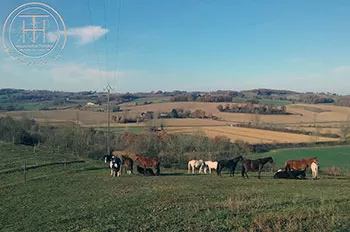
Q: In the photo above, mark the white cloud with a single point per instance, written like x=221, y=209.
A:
x=341, y=70
x=76, y=73
x=83, y=35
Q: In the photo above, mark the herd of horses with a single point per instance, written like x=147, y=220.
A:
x=293, y=169
x=117, y=160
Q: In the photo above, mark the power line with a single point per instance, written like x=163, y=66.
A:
x=94, y=38
x=105, y=26
x=117, y=42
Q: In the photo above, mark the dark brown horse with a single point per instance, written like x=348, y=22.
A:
x=149, y=162
x=299, y=164
x=255, y=165
x=230, y=164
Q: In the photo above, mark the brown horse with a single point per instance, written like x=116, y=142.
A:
x=299, y=164
x=149, y=162
x=128, y=164
x=255, y=165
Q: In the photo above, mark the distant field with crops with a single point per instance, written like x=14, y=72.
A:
x=316, y=118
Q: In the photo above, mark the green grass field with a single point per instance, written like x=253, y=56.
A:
x=83, y=197
x=327, y=156
x=120, y=130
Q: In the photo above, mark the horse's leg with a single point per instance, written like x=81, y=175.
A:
x=218, y=170
x=260, y=169
x=158, y=169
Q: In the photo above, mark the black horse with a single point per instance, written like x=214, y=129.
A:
x=114, y=164
x=290, y=174
x=230, y=164
x=255, y=165
x=145, y=171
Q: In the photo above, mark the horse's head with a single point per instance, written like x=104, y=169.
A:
x=315, y=160
x=270, y=159
x=107, y=158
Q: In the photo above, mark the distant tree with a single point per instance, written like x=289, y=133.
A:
x=174, y=113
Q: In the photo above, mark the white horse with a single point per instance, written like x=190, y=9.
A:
x=314, y=170
x=210, y=165
x=196, y=164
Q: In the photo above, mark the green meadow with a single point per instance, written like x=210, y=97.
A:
x=83, y=197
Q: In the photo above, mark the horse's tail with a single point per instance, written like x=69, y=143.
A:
x=158, y=167
x=188, y=167
x=218, y=168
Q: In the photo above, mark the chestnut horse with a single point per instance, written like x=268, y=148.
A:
x=255, y=165
x=149, y=162
x=299, y=164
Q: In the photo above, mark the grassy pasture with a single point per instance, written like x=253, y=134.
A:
x=83, y=197
x=338, y=156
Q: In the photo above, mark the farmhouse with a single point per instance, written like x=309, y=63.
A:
x=90, y=104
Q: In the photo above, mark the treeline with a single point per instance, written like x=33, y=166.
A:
x=227, y=97
x=174, y=113
x=11, y=107
x=253, y=109
x=343, y=101
x=268, y=92
x=60, y=97
x=315, y=99
x=181, y=113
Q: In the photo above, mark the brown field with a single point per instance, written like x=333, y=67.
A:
x=252, y=136
x=328, y=117
x=322, y=130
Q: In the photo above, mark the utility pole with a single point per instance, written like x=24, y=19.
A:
x=108, y=88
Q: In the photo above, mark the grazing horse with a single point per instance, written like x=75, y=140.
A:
x=299, y=164
x=314, y=170
x=149, y=162
x=290, y=174
x=195, y=164
x=145, y=171
x=211, y=165
x=230, y=164
x=255, y=165
x=114, y=165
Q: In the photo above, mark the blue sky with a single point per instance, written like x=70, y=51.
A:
x=193, y=45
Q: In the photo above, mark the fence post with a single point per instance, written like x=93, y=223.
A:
x=25, y=171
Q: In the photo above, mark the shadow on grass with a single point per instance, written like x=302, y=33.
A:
x=172, y=174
